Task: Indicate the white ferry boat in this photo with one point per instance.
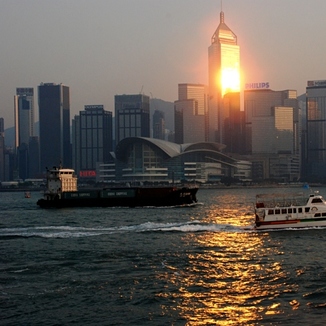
(280, 211)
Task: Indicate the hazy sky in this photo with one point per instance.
(100, 48)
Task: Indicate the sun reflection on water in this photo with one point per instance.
(230, 280)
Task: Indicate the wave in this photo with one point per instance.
(77, 232)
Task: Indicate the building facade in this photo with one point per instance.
(273, 133)
(223, 74)
(190, 110)
(24, 129)
(152, 160)
(233, 124)
(2, 150)
(54, 117)
(132, 116)
(91, 139)
(315, 143)
(158, 125)
(24, 115)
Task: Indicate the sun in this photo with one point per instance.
(230, 80)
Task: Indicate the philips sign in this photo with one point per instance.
(257, 85)
(316, 83)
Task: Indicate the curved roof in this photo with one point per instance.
(203, 145)
(168, 148)
(211, 155)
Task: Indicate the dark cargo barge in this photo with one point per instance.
(62, 192)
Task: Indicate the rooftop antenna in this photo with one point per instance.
(222, 13)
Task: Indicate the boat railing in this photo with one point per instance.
(280, 200)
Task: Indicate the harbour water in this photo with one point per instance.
(201, 265)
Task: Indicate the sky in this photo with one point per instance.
(102, 48)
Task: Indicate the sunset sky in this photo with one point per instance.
(100, 48)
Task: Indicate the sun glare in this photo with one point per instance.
(230, 80)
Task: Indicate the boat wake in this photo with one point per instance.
(63, 232)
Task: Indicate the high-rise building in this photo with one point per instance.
(132, 116)
(24, 115)
(190, 113)
(158, 125)
(272, 133)
(91, 139)
(265, 110)
(314, 165)
(2, 127)
(54, 117)
(233, 124)
(2, 150)
(34, 157)
(223, 74)
(24, 128)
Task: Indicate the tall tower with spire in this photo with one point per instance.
(224, 76)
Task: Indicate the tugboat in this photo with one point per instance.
(61, 191)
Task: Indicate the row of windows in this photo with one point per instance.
(288, 210)
(316, 108)
(92, 138)
(131, 132)
(92, 121)
(130, 120)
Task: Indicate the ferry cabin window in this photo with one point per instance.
(317, 215)
(290, 210)
(300, 210)
(283, 210)
(317, 200)
(323, 214)
(306, 209)
(294, 210)
(270, 212)
(277, 211)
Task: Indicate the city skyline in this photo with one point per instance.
(104, 48)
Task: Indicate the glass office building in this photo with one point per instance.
(132, 116)
(315, 145)
(54, 117)
(92, 139)
(223, 74)
(24, 115)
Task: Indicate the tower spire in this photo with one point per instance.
(221, 13)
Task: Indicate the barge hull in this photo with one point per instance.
(129, 197)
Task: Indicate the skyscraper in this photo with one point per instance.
(158, 125)
(315, 144)
(132, 116)
(54, 115)
(223, 74)
(24, 115)
(92, 139)
(272, 133)
(271, 116)
(24, 128)
(190, 114)
(233, 124)
(2, 150)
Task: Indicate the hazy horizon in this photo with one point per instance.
(102, 48)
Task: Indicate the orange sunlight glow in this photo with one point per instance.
(230, 80)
